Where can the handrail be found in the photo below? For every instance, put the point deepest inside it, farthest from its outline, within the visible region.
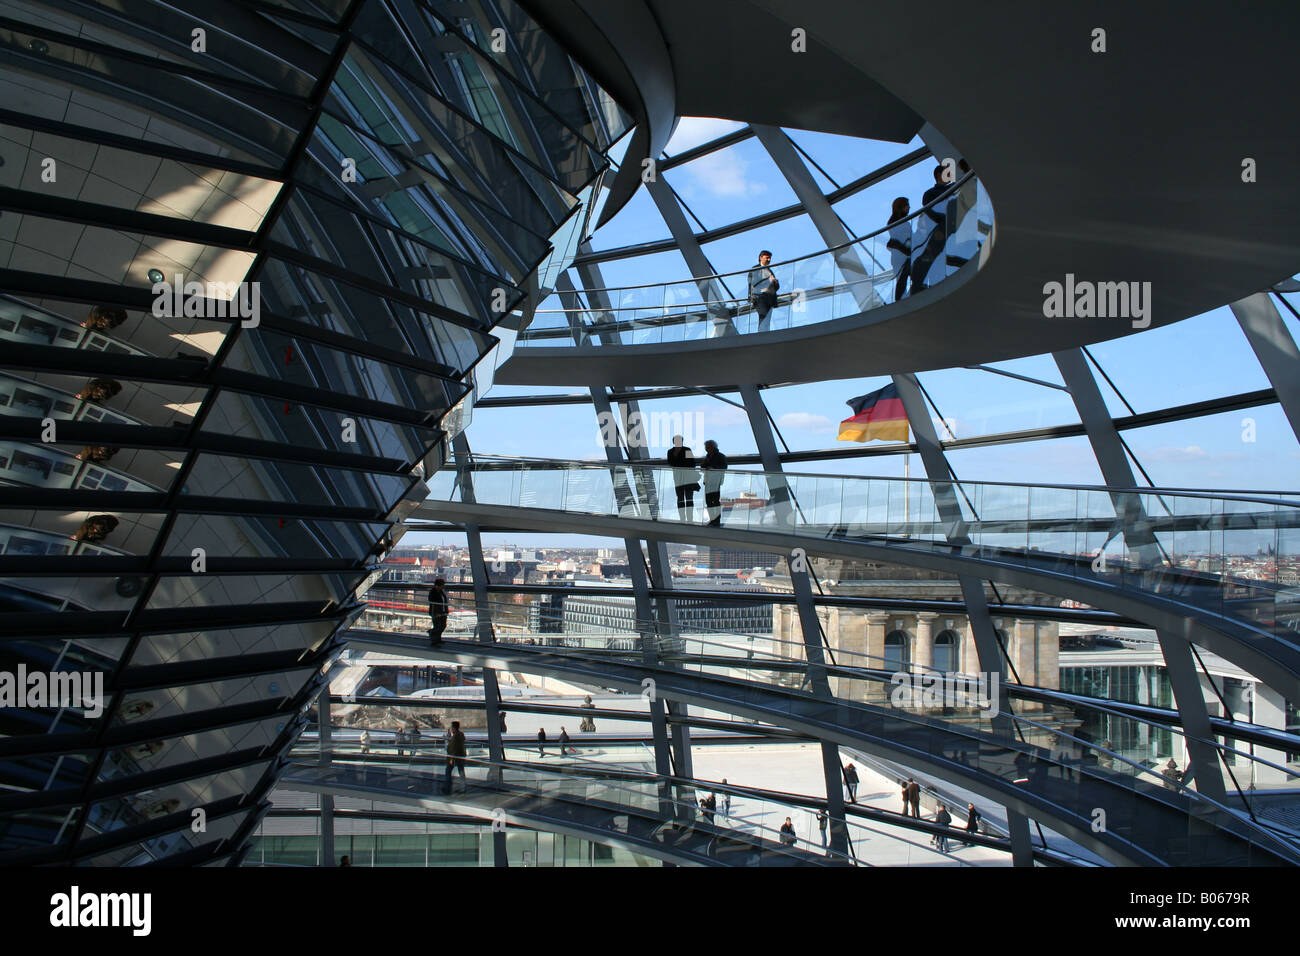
(1126, 780)
(882, 676)
(943, 197)
(562, 464)
(688, 809)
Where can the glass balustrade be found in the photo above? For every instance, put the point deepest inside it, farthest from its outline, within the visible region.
(1233, 557)
(1050, 746)
(833, 284)
(751, 819)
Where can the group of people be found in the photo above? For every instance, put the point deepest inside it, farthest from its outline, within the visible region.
(565, 749)
(455, 742)
(911, 794)
(916, 245)
(919, 246)
(687, 475)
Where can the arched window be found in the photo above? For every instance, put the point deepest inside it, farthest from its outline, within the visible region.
(945, 651)
(895, 651)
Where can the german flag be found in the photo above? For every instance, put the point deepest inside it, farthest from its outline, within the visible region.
(878, 415)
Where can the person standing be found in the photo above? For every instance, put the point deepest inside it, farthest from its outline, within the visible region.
(972, 821)
(914, 795)
(715, 463)
(726, 801)
(907, 798)
(1173, 776)
(787, 833)
(541, 741)
(822, 821)
(851, 782)
(564, 743)
(709, 806)
(943, 818)
(900, 244)
(762, 289)
(685, 479)
(931, 230)
(439, 605)
(455, 753)
(365, 741)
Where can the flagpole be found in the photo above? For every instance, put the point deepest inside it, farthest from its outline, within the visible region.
(907, 490)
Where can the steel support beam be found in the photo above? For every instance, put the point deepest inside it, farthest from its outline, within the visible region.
(672, 743)
(1275, 349)
(1115, 470)
(834, 234)
(325, 731)
(752, 402)
(484, 634)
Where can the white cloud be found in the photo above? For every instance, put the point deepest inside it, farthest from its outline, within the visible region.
(1186, 453)
(721, 174)
(803, 421)
(725, 417)
(1175, 453)
(694, 131)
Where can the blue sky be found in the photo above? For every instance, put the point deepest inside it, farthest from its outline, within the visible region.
(1200, 358)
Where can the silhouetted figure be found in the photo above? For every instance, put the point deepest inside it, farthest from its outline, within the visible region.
(715, 463)
(972, 821)
(455, 753)
(822, 820)
(709, 805)
(851, 782)
(762, 289)
(914, 795)
(541, 741)
(439, 605)
(345, 860)
(900, 244)
(685, 479)
(931, 231)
